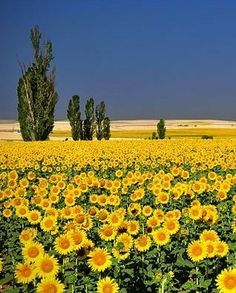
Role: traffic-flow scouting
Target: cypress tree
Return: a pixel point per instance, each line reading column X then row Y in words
column 74, row 116
column 161, row 129
column 88, row 123
column 106, row 128
column 36, row 92
column 100, row 116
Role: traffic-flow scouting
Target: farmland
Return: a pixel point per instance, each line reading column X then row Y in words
column 118, row 216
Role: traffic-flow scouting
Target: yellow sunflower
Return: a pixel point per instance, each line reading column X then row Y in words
column 222, row 248
column 79, row 237
column 48, row 223
column 107, row 232
column 226, row 281
column 172, row 226
column 211, row 248
column 197, row 250
column 47, row 266
column 32, row 251
column 209, row 235
column 143, row 243
column 107, row 285
column 64, row 244
column 27, row 234
column 34, row 217
column 25, row 273
column 161, row 236
column 50, row 286
column 99, row 259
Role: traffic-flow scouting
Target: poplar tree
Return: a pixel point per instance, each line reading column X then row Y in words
column 88, row 123
column 74, row 116
column 106, row 128
column 36, row 91
column 161, row 129
column 100, row 116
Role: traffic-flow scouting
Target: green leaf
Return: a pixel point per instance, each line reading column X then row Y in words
column 7, row 279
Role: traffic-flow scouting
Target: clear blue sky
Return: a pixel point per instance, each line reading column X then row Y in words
column 145, row 59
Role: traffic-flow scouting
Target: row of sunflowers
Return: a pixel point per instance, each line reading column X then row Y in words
column 118, row 216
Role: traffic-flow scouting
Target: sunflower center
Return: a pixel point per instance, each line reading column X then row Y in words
column 142, row 241
column 33, row 252
column 108, row 232
column 47, row 266
column 34, row 217
column 197, row 250
column 26, row 272
column 49, row 223
column 230, row 282
column 162, row 236
column 100, row 259
column 77, row 238
column 64, row 243
column 50, row 288
column 107, row 288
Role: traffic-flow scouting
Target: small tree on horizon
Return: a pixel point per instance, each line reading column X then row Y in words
column 74, row 116
column 36, row 91
column 161, row 129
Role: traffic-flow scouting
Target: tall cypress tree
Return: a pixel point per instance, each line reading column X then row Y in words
column 88, row 123
column 74, row 116
column 161, row 129
column 106, row 128
column 36, row 92
column 100, row 116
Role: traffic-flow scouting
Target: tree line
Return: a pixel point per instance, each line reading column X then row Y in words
column 37, row 99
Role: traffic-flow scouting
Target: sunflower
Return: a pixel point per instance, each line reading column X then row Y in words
column 172, row 226
column 197, row 250
column 78, row 237
column 222, row 248
column 27, row 235
column 133, row 227
column 25, row 272
column 64, row 244
column 50, row 286
column 211, row 248
column 209, row 235
column 226, row 281
column 124, row 241
column 47, row 266
column 115, row 219
column 107, row 232
column 161, row 236
column 107, row 285
column 21, row 211
column 143, row 243
column 32, row 251
column 147, row 211
column 195, row 212
column 99, row 259
column 48, row 223
column 34, row 217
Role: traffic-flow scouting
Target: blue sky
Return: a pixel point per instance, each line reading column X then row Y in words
column 146, row 59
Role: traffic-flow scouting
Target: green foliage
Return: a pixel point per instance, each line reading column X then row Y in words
column 106, row 128
column 88, row 124
column 36, row 94
column 161, row 129
column 74, row 116
column 100, row 116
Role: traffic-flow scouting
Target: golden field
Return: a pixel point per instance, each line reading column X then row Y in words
column 118, row 216
column 136, row 129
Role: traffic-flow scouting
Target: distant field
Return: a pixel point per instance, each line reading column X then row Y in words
column 136, row 129
column 172, row 133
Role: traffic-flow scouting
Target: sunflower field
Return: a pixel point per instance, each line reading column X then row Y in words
column 118, row 216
